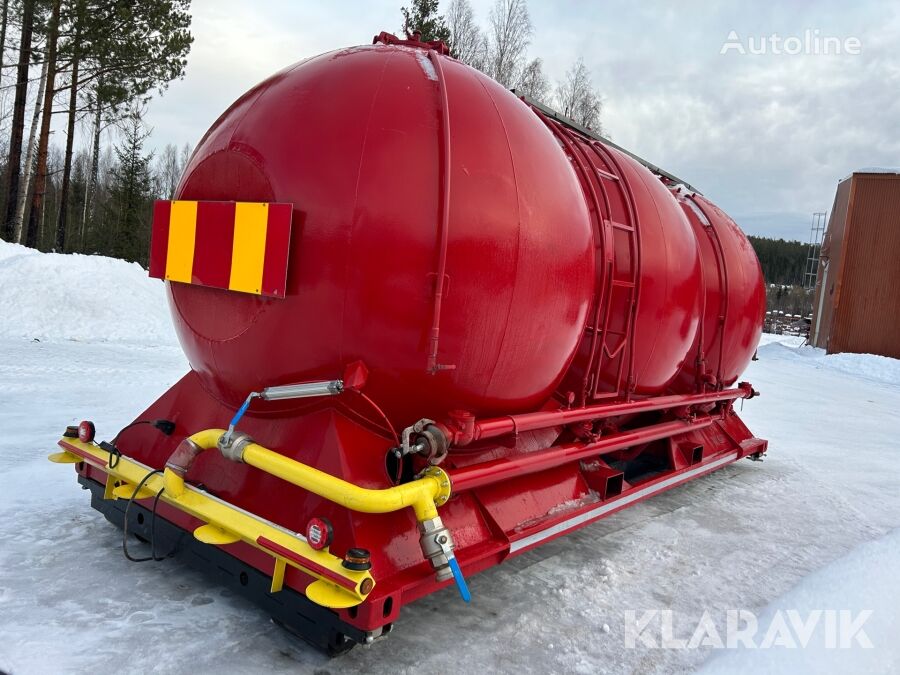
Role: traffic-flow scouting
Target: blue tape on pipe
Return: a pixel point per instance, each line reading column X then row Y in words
column 460, row 580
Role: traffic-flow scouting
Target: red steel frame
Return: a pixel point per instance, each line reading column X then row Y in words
column 705, row 435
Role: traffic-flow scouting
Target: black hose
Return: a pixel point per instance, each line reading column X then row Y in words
column 152, row 555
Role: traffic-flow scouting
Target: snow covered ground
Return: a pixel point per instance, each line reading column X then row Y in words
column 814, row 527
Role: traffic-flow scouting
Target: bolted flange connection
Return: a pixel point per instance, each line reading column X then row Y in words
column 443, row 480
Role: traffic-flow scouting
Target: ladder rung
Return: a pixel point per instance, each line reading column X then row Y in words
column 618, row 225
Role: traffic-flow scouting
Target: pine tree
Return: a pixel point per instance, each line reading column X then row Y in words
column 422, row 17
column 118, row 53
column 131, row 192
column 41, row 171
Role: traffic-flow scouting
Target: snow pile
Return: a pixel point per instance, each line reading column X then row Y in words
column 863, row 581
column 79, row 297
column 869, row 366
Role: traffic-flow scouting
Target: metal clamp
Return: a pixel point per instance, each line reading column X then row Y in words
column 232, row 444
column 423, row 438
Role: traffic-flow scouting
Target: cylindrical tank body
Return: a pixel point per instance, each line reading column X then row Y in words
column 734, row 298
column 353, row 139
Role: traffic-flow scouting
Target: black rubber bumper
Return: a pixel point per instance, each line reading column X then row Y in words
column 315, row 624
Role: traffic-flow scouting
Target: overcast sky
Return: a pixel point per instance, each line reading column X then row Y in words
column 766, row 136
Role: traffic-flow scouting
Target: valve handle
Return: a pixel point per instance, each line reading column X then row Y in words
column 461, row 585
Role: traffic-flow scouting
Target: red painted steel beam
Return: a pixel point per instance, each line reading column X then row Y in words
column 500, row 426
column 498, row 470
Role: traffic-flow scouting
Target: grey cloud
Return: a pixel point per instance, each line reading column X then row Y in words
column 766, row 137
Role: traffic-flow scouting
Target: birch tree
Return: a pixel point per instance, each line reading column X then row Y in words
column 14, row 162
column 509, row 34
column 577, row 98
column 533, row 83
column 468, row 43
column 29, row 155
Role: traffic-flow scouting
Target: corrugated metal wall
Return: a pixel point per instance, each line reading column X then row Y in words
column 828, row 279
column 861, row 308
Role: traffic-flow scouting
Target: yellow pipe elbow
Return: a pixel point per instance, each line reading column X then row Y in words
column 207, row 439
column 174, row 482
column 423, row 495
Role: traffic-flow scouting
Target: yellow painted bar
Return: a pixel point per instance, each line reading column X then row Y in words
column 244, row 525
column 248, row 253
column 182, row 234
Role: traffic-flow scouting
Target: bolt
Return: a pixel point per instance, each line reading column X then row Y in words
column 442, row 539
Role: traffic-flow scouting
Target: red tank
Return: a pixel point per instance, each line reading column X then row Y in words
column 734, row 297
column 353, row 139
column 486, row 309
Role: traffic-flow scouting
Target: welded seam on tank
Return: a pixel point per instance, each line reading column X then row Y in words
column 662, row 229
column 359, row 169
column 262, row 90
column 516, row 284
column 258, row 99
column 722, row 269
column 227, row 146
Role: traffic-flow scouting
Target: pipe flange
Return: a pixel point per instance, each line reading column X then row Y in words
column 232, row 445
column 443, row 480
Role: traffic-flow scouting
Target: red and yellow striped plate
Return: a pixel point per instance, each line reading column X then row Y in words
column 238, row 246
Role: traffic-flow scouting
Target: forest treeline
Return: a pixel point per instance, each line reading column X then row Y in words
column 86, row 68
column 783, row 262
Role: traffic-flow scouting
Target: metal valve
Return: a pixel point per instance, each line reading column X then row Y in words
column 437, row 547
column 423, row 438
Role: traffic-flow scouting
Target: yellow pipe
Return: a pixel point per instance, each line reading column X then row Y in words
column 207, row 439
column 232, row 521
column 174, row 483
column 423, row 495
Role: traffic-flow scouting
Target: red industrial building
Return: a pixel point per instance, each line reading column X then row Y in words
column 857, row 303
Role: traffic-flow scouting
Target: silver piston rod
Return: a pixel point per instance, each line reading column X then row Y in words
column 283, row 392
column 302, row 390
